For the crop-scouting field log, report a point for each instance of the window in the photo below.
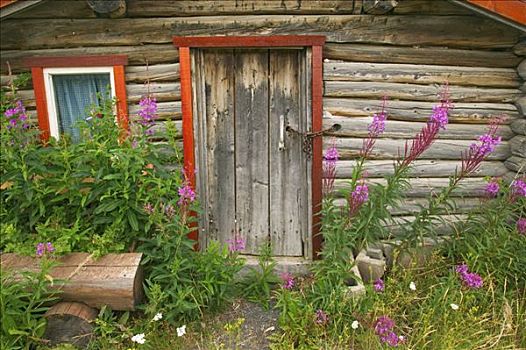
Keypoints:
(65, 88)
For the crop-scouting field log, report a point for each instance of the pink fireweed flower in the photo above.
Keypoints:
(321, 317)
(147, 112)
(148, 208)
(169, 211)
(469, 279)
(379, 285)
(357, 198)
(376, 128)
(384, 330)
(288, 280)
(492, 188)
(518, 188)
(43, 249)
(40, 249)
(236, 244)
(477, 152)
(186, 195)
(521, 226)
(425, 138)
(17, 116)
(329, 169)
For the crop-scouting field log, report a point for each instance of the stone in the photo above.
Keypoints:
(371, 267)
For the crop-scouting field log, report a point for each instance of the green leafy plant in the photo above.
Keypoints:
(24, 298)
(258, 282)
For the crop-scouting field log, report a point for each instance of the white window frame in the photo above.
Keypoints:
(50, 91)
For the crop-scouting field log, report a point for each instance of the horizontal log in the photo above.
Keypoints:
(409, 7)
(443, 224)
(357, 127)
(518, 146)
(420, 168)
(389, 149)
(395, 30)
(159, 91)
(424, 187)
(516, 164)
(165, 110)
(176, 8)
(469, 113)
(137, 55)
(153, 73)
(414, 92)
(420, 55)
(410, 206)
(114, 280)
(519, 126)
(421, 74)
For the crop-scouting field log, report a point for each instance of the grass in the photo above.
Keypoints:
(492, 317)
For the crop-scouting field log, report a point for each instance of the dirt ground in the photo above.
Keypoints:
(251, 333)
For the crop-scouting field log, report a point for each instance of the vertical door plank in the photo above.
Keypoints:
(198, 101)
(219, 90)
(251, 137)
(288, 182)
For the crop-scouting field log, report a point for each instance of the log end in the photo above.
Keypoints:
(70, 323)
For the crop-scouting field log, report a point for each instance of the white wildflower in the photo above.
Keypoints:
(138, 338)
(454, 306)
(355, 324)
(412, 286)
(181, 331)
(158, 316)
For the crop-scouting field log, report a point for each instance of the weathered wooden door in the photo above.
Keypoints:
(253, 176)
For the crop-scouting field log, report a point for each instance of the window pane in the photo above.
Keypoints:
(74, 94)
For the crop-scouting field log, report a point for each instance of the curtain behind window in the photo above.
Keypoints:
(74, 94)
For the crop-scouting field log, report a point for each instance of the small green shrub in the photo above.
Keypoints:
(23, 301)
(257, 284)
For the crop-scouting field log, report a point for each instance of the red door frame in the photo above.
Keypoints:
(315, 42)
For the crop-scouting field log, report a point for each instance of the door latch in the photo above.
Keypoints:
(309, 136)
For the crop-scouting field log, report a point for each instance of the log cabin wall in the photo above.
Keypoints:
(405, 54)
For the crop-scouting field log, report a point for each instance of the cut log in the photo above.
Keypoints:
(70, 323)
(160, 91)
(140, 54)
(396, 30)
(521, 105)
(165, 110)
(421, 74)
(516, 164)
(114, 280)
(177, 8)
(415, 92)
(108, 8)
(423, 187)
(521, 69)
(357, 127)
(520, 48)
(349, 148)
(519, 126)
(154, 73)
(411, 206)
(469, 113)
(420, 55)
(518, 146)
(378, 7)
(420, 168)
